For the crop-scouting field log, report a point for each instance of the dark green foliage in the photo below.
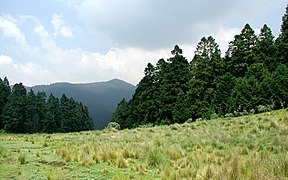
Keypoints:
(282, 41)
(252, 77)
(240, 52)
(14, 112)
(101, 98)
(4, 94)
(52, 119)
(157, 94)
(30, 113)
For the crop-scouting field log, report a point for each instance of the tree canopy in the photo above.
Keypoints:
(252, 77)
(23, 112)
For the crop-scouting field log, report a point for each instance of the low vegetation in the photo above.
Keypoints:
(247, 147)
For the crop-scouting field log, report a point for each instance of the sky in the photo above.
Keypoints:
(81, 41)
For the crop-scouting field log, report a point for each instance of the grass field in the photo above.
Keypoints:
(247, 147)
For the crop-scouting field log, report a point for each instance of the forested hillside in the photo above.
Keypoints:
(101, 98)
(251, 77)
(22, 112)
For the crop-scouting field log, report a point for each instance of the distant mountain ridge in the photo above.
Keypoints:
(101, 98)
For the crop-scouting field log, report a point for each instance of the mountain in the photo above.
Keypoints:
(101, 98)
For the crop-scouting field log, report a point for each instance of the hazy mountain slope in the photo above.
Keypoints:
(101, 98)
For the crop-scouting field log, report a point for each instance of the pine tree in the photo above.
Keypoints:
(282, 41)
(5, 91)
(41, 108)
(121, 114)
(175, 81)
(33, 120)
(65, 109)
(240, 52)
(14, 112)
(52, 118)
(85, 122)
(265, 48)
(206, 66)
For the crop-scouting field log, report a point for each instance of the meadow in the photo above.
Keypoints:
(246, 147)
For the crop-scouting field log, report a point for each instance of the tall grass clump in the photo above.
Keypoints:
(3, 151)
(22, 159)
(155, 157)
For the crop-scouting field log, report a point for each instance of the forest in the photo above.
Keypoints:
(252, 77)
(27, 112)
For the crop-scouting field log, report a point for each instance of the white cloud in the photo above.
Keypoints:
(59, 26)
(224, 36)
(5, 59)
(77, 65)
(9, 29)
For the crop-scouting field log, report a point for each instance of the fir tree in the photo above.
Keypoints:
(14, 112)
(5, 91)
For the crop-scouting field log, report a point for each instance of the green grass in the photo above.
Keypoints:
(247, 147)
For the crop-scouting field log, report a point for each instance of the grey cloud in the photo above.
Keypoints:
(162, 23)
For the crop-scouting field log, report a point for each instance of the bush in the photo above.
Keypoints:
(113, 125)
(146, 125)
(229, 115)
(214, 116)
(252, 111)
(190, 120)
(262, 108)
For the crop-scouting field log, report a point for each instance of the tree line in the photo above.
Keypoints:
(28, 112)
(252, 77)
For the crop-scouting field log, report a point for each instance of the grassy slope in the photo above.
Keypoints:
(248, 147)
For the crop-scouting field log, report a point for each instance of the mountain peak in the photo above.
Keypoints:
(101, 98)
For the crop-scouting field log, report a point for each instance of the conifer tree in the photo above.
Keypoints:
(206, 66)
(265, 48)
(41, 108)
(5, 91)
(14, 112)
(240, 52)
(282, 41)
(52, 118)
(32, 124)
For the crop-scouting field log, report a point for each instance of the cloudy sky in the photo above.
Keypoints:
(78, 41)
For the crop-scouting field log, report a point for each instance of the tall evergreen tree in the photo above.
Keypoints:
(282, 41)
(206, 66)
(14, 112)
(86, 122)
(32, 124)
(5, 91)
(65, 109)
(240, 52)
(265, 48)
(52, 118)
(41, 108)
(175, 81)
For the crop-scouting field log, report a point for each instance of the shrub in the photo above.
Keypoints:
(146, 125)
(262, 108)
(229, 115)
(113, 125)
(190, 120)
(252, 111)
(214, 116)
